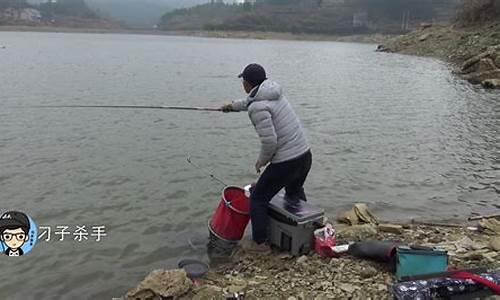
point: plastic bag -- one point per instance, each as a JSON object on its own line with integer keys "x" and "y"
{"x": 325, "y": 240}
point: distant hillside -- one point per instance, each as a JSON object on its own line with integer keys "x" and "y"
{"x": 201, "y": 16}
{"x": 19, "y": 12}
{"x": 67, "y": 8}
{"x": 138, "y": 13}
{"x": 62, "y": 13}
{"x": 133, "y": 13}
{"x": 339, "y": 17}
{"x": 474, "y": 12}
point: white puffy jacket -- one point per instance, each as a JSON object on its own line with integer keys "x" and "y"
{"x": 280, "y": 132}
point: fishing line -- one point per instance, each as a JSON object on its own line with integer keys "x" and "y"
{"x": 207, "y": 172}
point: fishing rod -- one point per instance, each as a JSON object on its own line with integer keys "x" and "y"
{"x": 131, "y": 107}
{"x": 205, "y": 171}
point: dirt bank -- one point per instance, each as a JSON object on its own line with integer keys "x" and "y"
{"x": 473, "y": 51}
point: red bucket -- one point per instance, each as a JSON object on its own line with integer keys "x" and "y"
{"x": 232, "y": 215}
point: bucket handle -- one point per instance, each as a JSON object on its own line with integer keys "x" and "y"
{"x": 230, "y": 206}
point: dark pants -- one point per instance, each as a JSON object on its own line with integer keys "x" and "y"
{"x": 290, "y": 175}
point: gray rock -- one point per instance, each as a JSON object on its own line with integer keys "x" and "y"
{"x": 423, "y": 37}
{"x": 368, "y": 272}
{"x": 391, "y": 228}
{"x": 491, "y": 256}
{"x": 302, "y": 259}
{"x": 357, "y": 232}
{"x": 348, "y": 288}
{"x": 469, "y": 64}
{"x": 495, "y": 243}
{"x": 474, "y": 255}
{"x": 485, "y": 64}
{"x": 490, "y": 226}
{"x": 207, "y": 292}
{"x": 234, "y": 289}
{"x": 466, "y": 244}
{"x": 237, "y": 285}
{"x": 381, "y": 48}
{"x": 162, "y": 284}
{"x": 478, "y": 77}
{"x": 479, "y": 246}
{"x": 497, "y": 60}
{"x": 491, "y": 83}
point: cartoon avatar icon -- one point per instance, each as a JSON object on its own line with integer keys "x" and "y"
{"x": 14, "y": 232}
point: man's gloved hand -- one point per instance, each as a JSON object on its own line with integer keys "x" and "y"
{"x": 227, "y": 107}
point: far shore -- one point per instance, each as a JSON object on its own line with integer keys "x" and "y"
{"x": 365, "y": 38}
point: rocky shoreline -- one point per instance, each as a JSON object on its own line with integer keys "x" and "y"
{"x": 282, "y": 276}
{"x": 474, "y": 52}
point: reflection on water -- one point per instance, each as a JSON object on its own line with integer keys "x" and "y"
{"x": 397, "y": 132}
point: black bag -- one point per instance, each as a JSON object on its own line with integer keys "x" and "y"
{"x": 382, "y": 251}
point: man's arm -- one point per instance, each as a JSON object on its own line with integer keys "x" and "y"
{"x": 264, "y": 126}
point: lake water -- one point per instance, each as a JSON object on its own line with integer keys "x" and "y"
{"x": 400, "y": 133}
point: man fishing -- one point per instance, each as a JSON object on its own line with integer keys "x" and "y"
{"x": 284, "y": 148}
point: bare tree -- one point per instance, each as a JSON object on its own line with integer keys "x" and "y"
{"x": 478, "y": 11}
